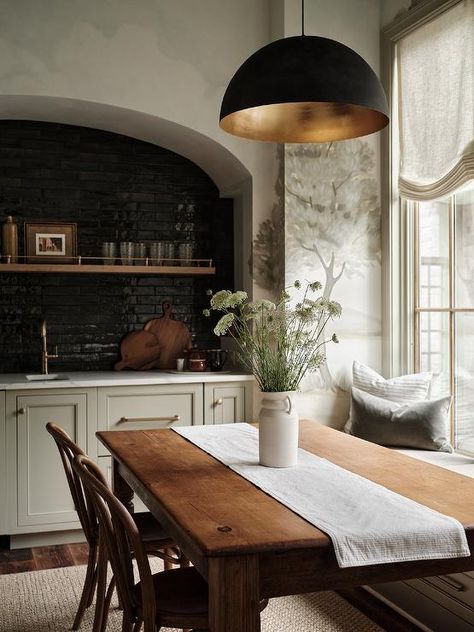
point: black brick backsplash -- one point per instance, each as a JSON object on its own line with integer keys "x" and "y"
{"x": 117, "y": 189}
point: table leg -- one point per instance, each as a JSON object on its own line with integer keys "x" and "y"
{"x": 121, "y": 488}
{"x": 234, "y": 594}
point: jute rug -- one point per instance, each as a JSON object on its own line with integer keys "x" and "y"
{"x": 43, "y": 601}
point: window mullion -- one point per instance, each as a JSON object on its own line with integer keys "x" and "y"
{"x": 452, "y": 316}
{"x": 416, "y": 290}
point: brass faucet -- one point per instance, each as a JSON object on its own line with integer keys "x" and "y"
{"x": 45, "y": 356}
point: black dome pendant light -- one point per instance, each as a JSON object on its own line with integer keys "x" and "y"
{"x": 304, "y": 89}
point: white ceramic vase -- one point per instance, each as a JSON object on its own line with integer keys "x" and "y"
{"x": 278, "y": 430}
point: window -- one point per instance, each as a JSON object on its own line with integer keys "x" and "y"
{"x": 443, "y": 303}
{"x": 428, "y": 232}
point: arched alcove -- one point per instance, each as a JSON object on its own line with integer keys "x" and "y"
{"x": 218, "y": 162}
{"x": 230, "y": 175}
{"x": 116, "y": 188}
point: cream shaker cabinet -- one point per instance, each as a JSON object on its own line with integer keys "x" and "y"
{"x": 38, "y": 496}
{"x": 34, "y": 495}
{"x": 226, "y": 403}
{"x": 3, "y": 467}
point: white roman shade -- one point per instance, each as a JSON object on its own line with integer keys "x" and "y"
{"x": 436, "y": 99}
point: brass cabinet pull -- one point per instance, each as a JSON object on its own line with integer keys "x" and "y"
{"x": 124, "y": 420}
{"x": 219, "y": 401}
{"x": 21, "y": 411}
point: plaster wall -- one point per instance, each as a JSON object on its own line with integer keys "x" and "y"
{"x": 391, "y": 8}
{"x": 355, "y": 23}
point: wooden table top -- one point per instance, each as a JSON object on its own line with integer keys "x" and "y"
{"x": 224, "y": 513}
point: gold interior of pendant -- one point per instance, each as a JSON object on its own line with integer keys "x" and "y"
{"x": 308, "y": 122}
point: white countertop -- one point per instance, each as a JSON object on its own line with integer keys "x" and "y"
{"x": 19, "y": 381}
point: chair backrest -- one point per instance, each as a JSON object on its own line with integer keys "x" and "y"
{"x": 122, "y": 539}
{"x": 86, "y": 512}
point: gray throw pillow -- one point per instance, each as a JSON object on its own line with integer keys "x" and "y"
{"x": 422, "y": 425}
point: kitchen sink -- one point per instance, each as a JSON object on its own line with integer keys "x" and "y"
{"x": 49, "y": 377}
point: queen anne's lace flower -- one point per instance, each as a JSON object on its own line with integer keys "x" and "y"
{"x": 261, "y": 303}
{"x": 226, "y": 299}
{"x": 220, "y": 299}
{"x": 223, "y": 325}
{"x": 237, "y": 298}
{"x": 278, "y": 342}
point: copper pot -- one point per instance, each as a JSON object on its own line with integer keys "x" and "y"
{"x": 197, "y": 364}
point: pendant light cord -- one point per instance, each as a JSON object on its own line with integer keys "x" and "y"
{"x": 302, "y": 18}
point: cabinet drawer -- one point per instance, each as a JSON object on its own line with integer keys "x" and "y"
{"x": 149, "y": 407}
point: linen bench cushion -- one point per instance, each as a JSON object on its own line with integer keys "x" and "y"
{"x": 459, "y": 463}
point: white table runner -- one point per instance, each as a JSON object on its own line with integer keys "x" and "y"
{"x": 367, "y": 523}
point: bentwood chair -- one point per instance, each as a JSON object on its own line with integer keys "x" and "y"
{"x": 176, "y": 598}
{"x": 152, "y": 534}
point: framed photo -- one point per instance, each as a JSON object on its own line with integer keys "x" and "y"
{"x": 49, "y": 242}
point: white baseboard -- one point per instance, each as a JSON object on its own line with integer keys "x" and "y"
{"x": 28, "y": 540}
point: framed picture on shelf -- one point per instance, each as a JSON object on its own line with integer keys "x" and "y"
{"x": 50, "y": 242}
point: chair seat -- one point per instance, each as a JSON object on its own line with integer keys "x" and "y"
{"x": 179, "y": 592}
{"x": 149, "y": 527}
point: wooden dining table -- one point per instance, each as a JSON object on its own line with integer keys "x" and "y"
{"x": 246, "y": 544}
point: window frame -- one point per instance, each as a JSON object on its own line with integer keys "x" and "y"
{"x": 397, "y": 231}
{"x": 451, "y": 310}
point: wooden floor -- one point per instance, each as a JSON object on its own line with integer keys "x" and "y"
{"x": 44, "y": 557}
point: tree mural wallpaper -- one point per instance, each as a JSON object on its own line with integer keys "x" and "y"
{"x": 332, "y": 227}
{"x": 268, "y": 251}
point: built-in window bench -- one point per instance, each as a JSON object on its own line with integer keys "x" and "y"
{"x": 459, "y": 463}
{"x": 438, "y": 603}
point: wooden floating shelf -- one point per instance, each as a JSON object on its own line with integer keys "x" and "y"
{"x": 88, "y": 268}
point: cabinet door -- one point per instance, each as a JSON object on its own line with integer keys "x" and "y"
{"x": 228, "y": 402}
{"x": 148, "y": 407}
{"x": 3, "y": 467}
{"x": 40, "y": 493}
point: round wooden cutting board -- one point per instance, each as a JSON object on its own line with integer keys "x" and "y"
{"x": 139, "y": 350}
{"x": 172, "y": 335}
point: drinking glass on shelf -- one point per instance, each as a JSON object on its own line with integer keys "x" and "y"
{"x": 140, "y": 254}
{"x": 127, "y": 250}
{"x": 168, "y": 253}
{"x": 157, "y": 253}
{"x": 109, "y": 253}
{"x": 185, "y": 253}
